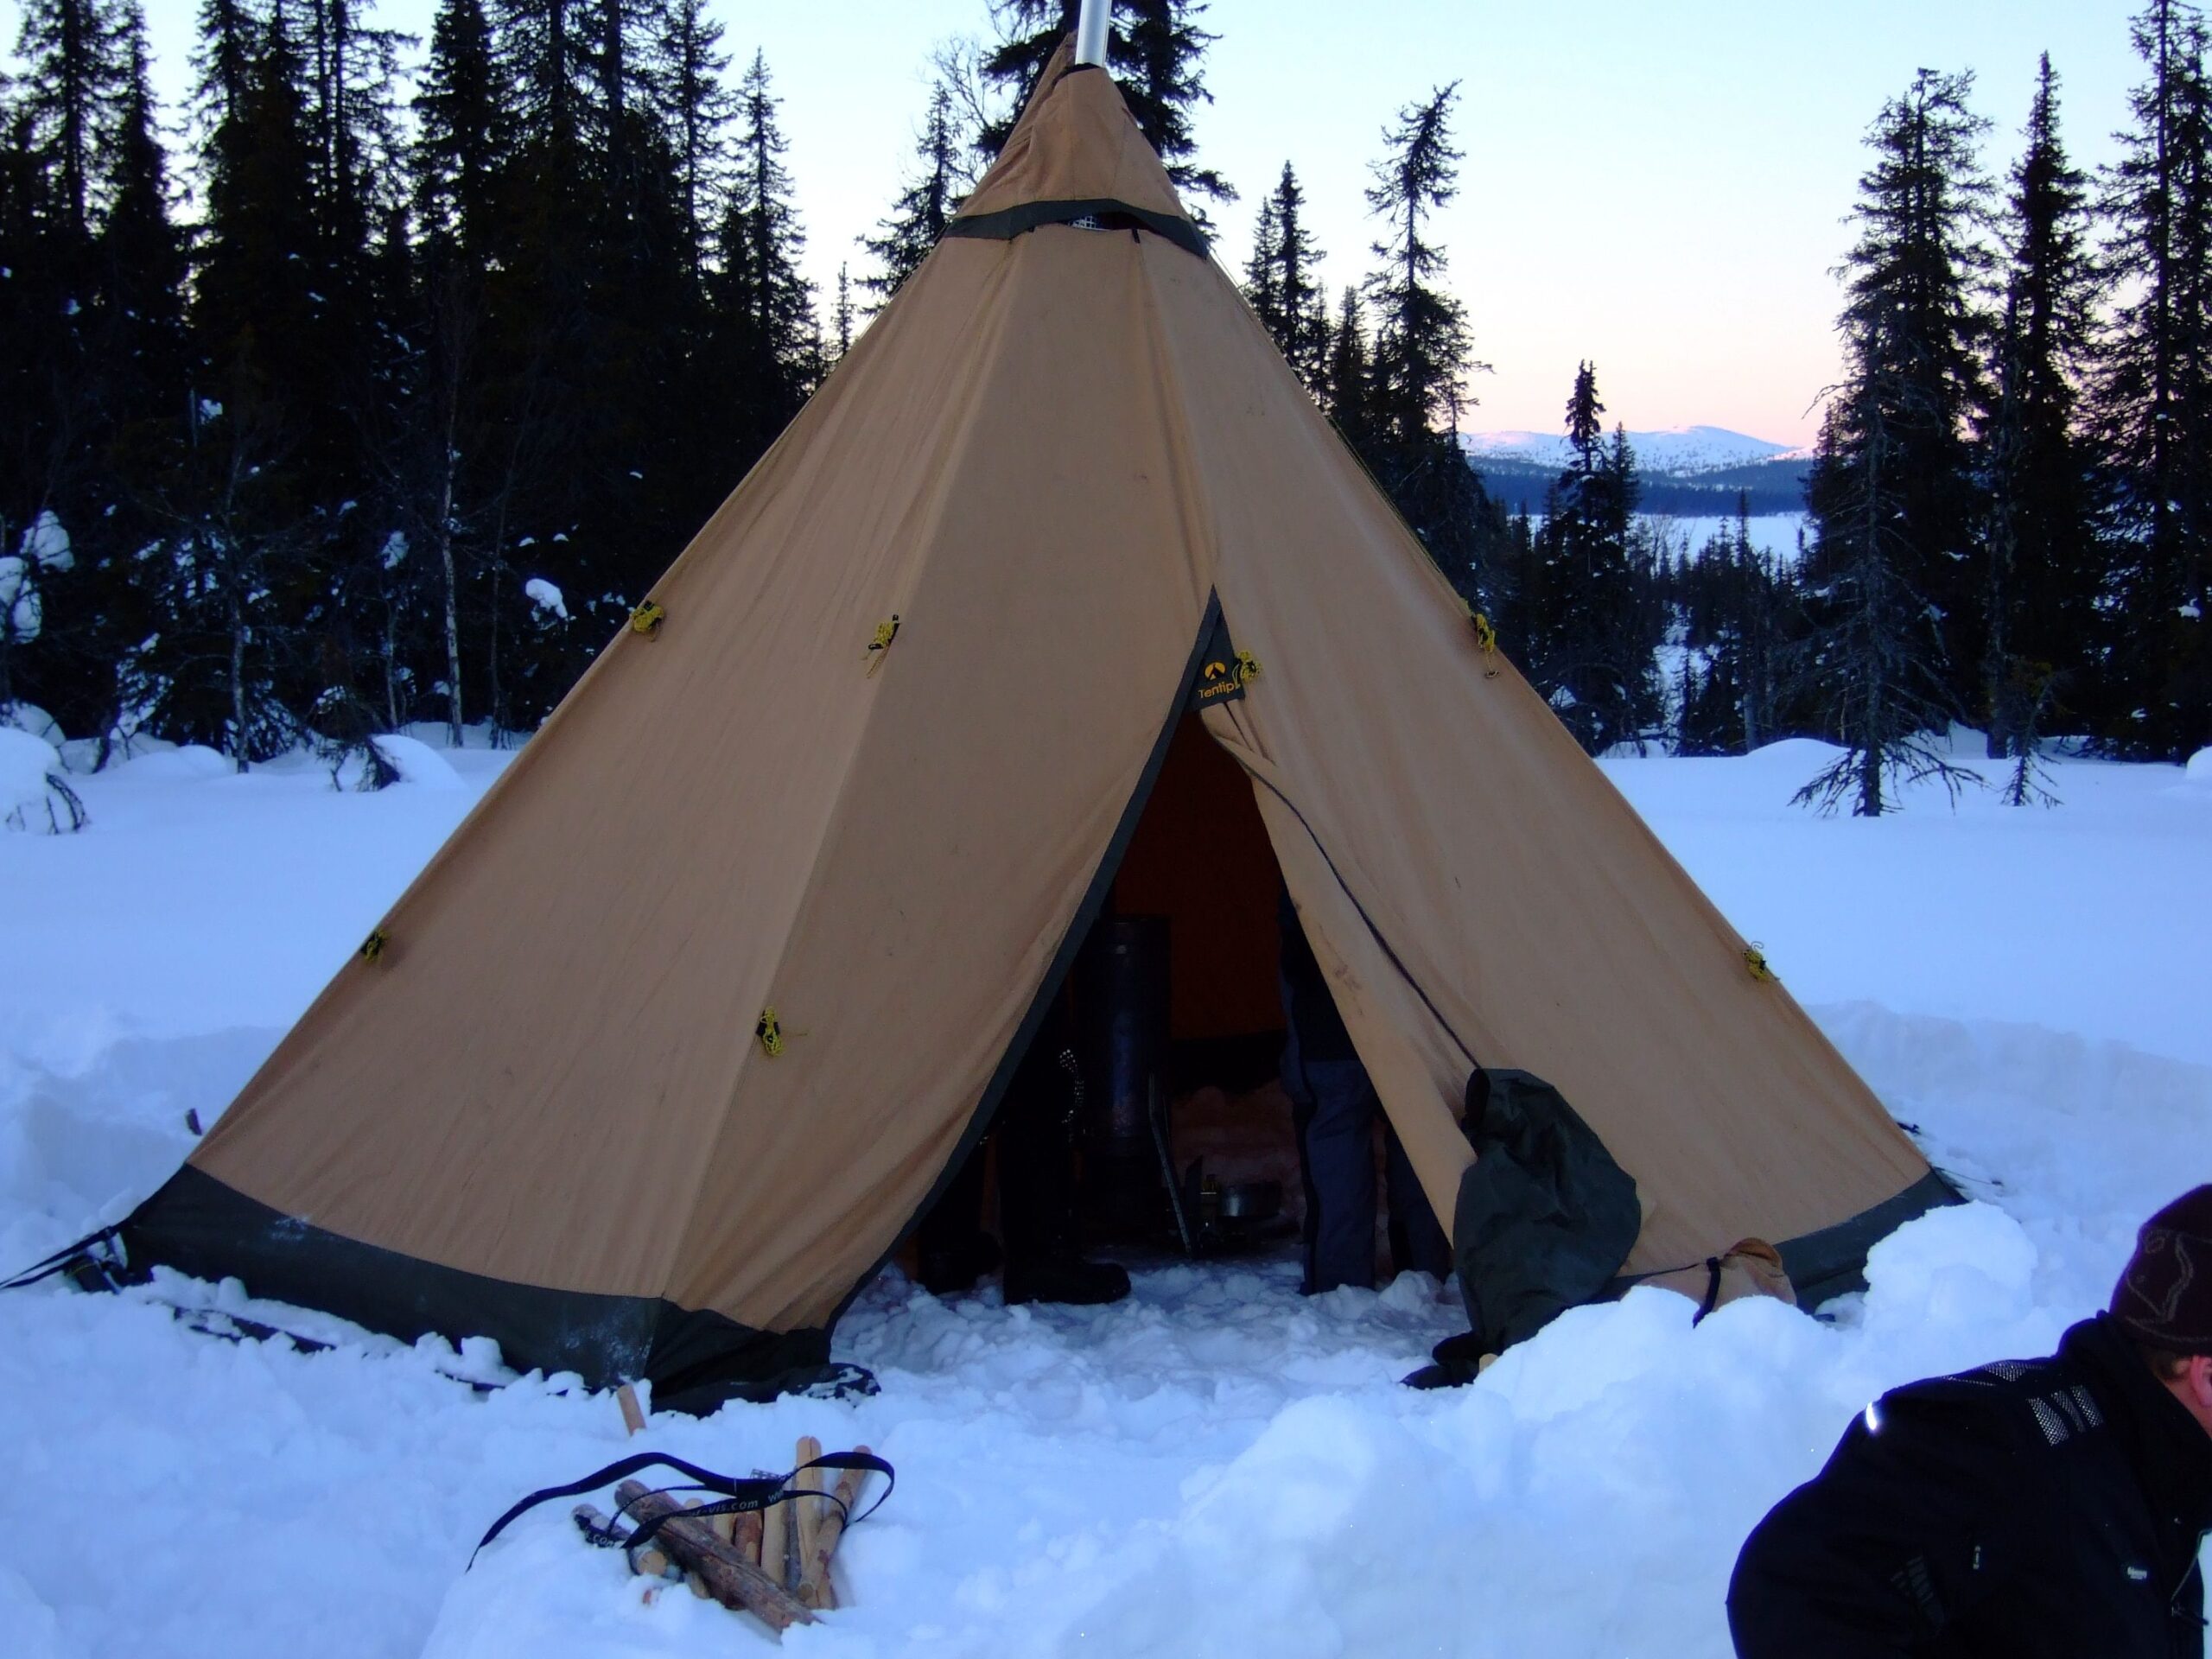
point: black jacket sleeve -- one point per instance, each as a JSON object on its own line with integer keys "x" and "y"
{"x": 1907, "y": 1528}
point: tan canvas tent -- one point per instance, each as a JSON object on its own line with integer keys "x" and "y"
{"x": 667, "y": 1048}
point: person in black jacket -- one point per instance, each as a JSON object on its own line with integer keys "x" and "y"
{"x": 2040, "y": 1507}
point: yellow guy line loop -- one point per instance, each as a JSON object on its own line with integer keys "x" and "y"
{"x": 1248, "y": 668}
{"x": 1755, "y": 959}
{"x": 372, "y": 947}
{"x": 1486, "y": 637}
{"x": 770, "y": 1030}
{"x": 646, "y": 619}
{"x": 879, "y": 646}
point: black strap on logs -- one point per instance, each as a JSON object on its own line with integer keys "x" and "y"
{"x": 739, "y": 1496}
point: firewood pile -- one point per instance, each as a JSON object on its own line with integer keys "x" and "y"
{"x": 773, "y": 1562}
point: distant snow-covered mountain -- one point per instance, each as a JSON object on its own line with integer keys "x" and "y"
{"x": 1681, "y": 450}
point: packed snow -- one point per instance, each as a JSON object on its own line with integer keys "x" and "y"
{"x": 1216, "y": 1466}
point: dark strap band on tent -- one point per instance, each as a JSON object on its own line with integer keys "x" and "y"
{"x": 1010, "y": 222}
{"x": 741, "y": 1496}
{"x": 59, "y": 1260}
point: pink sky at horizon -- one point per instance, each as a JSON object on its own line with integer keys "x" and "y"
{"x": 1659, "y": 189}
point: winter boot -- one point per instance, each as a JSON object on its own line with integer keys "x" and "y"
{"x": 950, "y": 1266}
{"x": 1066, "y": 1279}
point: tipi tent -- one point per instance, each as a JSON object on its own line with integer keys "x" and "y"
{"x": 668, "y": 1047}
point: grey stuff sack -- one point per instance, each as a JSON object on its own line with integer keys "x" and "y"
{"x": 1545, "y": 1216}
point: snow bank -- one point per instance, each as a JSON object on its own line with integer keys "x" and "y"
{"x": 417, "y": 762}
{"x": 29, "y": 717}
{"x": 24, "y": 763}
{"x": 178, "y": 763}
{"x": 414, "y": 762}
{"x": 33, "y": 796}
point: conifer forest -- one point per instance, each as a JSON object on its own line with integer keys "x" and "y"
{"x": 376, "y": 388}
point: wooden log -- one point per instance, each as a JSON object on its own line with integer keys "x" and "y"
{"x": 791, "y": 1555}
{"x": 816, "y": 1587}
{"x": 699, "y": 1585}
{"x": 692, "y": 1544}
{"x": 633, "y": 1415}
{"x": 808, "y": 1509}
{"x": 775, "y": 1543}
{"x": 745, "y": 1534}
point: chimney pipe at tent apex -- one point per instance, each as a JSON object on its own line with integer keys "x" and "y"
{"x": 1091, "y": 26}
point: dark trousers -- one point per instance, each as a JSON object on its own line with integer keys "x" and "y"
{"x": 1333, "y": 1109}
{"x": 1035, "y": 1132}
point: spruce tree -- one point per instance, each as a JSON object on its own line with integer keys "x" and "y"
{"x": 1422, "y": 351}
{"x": 2153, "y": 397}
{"x": 925, "y": 207}
{"x": 1259, "y": 277}
{"x": 1348, "y": 396}
{"x": 464, "y": 136}
{"x": 1735, "y": 605}
{"x": 362, "y": 605}
{"x": 1872, "y": 662}
{"x": 1164, "y": 82}
{"x": 260, "y": 434}
{"x": 464, "y": 142}
{"x": 1416, "y": 378}
{"x": 138, "y": 339}
{"x": 2043, "y": 556}
{"x": 1282, "y": 283}
{"x": 1597, "y": 632}
{"x": 75, "y": 58}
{"x": 1914, "y": 334}
{"x": 698, "y": 109}
{"x": 763, "y": 309}
{"x": 64, "y": 108}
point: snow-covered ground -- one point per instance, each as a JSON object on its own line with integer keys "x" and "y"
{"x": 1679, "y": 450}
{"x": 1216, "y": 1466}
{"x": 1775, "y": 534}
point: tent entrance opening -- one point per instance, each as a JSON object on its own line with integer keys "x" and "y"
{"x": 1180, "y": 1015}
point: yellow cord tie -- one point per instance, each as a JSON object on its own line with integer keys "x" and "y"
{"x": 1247, "y": 668}
{"x": 1486, "y": 637}
{"x": 372, "y": 947}
{"x": 879, "y": 646}
{"x": 770, "y": 1030}
{"x": 646, "y": 619}
{"x": 1755, "y": 959}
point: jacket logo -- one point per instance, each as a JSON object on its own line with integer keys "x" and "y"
{"x": 2155, "y": 1240}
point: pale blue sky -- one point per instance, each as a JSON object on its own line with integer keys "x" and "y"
{"x": 1657, "y": 187}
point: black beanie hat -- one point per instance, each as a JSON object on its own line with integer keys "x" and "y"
{"x": 2164, "y": 1295}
